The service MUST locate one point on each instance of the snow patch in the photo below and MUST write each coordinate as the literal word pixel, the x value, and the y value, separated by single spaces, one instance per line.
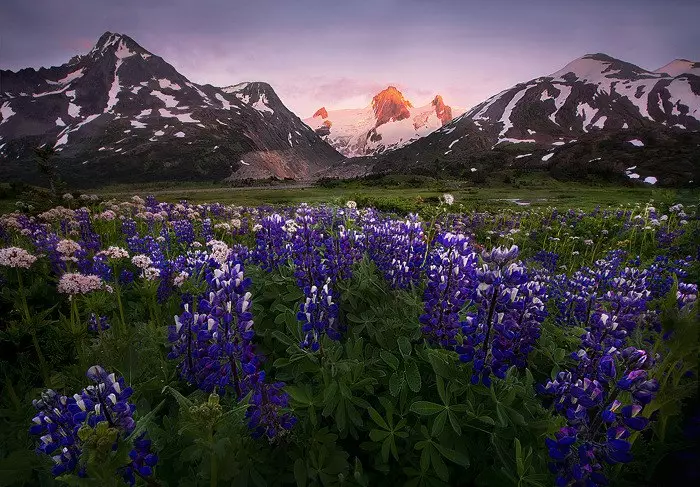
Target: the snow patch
pixel 137 124
pixel 121 53
pixel 473 169
pixel 516 141
pixel 244 163
pixel 183 117
pixel 166 83
pixel 158 133
pixel 6 111
pixel 600 123
pixel 261 104
pixel 650 180
pixel 522 155
pixel 505 118
pixel 226 104
pixel 636 142
pixel 60 122
pixel 169 100
pixel 179 134
pixel 453 143
pixel 547 156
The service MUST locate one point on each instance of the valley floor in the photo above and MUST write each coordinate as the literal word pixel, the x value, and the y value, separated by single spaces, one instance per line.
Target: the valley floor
pixel 563 195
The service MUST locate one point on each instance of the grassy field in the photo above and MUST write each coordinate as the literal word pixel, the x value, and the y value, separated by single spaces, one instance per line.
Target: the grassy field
pixel 401 194
pixel 561 195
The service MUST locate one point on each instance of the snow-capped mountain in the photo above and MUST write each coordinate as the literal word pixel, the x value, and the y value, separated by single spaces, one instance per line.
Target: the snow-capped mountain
pixel 389 122
pixel 595 92
pixel 613 114
pixel 121 113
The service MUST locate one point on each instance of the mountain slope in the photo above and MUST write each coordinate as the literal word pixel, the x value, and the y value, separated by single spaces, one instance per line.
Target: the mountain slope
pixel 120 114
pixel 597 115
pixel 389 122
pixel 595 92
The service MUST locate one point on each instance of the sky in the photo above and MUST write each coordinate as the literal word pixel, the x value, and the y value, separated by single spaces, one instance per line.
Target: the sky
pixel 339 53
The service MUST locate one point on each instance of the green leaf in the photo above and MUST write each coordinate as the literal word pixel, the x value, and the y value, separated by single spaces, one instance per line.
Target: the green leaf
pixel 182 401
pixel 438 465
pixel 439 424
pixel 440 383
pixel 298 394
pixel 453 455
pixel 376 417
pixel 378 435
pixel 300 472
pixel 425 459
pixel 386 446
pixel 426 408
pixel 390 359
pixel 519 458
pixel 413 375
pixel 404 346
pixel 143 423
pixel 487 420
pixel 454 422
pixel 395 384
pixel 500 412
pixel 278 335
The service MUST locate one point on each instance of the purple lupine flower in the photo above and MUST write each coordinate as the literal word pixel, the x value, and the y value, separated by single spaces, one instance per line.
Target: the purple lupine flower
pixel 96 324
pixel 450 272
pixel 142 460
pixel 184 231
pixel 215 345
pixel 59 419
pixel 266 415
pixel 318 315
pixel 57 431
pixel 505 325
pixel 270 246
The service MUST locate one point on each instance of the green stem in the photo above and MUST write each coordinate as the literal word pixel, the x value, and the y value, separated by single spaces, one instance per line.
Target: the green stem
pixel 213 480
pixel 118 292
pixel 75 328
pixel 28 320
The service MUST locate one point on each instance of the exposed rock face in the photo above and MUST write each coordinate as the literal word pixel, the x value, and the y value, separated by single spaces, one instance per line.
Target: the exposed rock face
pixel 321 112
pixel 390 106
pixel 443 112
pixel 120 113
pixel 389 122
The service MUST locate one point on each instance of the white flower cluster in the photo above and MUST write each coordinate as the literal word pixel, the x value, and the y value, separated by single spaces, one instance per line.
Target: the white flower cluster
pixel 16 258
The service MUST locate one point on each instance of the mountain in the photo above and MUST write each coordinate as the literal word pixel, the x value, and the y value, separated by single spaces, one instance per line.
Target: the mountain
pixel 389 122
pixel 592 93
pixel 122 114
pixel 613 114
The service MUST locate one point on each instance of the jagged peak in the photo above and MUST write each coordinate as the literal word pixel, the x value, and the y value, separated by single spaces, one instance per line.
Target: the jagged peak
pixel 390 94
pixel 390 105
pixel 442 111
pixel 321 112
pixel 117 43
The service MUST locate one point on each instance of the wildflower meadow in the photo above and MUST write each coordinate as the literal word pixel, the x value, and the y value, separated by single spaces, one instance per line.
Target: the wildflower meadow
pixel 173 344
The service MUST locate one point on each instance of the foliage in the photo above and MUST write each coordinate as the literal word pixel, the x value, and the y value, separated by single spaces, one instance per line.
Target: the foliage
pixel 328 346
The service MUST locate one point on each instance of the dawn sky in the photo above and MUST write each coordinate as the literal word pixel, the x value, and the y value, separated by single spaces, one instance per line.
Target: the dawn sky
pixel 338 54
